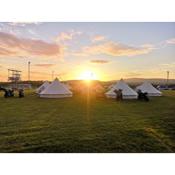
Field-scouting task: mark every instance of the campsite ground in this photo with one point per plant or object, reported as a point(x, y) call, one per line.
point(97, 125)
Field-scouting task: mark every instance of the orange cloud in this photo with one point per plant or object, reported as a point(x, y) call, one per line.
point(168, 65)
point(49, 74)
point(134, 74)
point(12, 46)
point(39, 73)
point(98, 38)
point(78, 53)
point(44, 65)
point(117, 49)
point(99, 61)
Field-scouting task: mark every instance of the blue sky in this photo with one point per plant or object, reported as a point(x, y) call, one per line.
point(109, 50)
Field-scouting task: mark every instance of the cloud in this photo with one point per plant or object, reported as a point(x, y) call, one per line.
point(22, 24)
point(99, 61)
point(168, 65)
point(13, 46)
point(78, 53)
point(133, 74)
point(44, 65)
point(64, 36)
point(67, 36)
point(117, 49)
point(98, 38)
point(171, 41)
point(41, 74)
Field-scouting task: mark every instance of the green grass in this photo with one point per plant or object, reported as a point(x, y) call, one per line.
point(32, 124)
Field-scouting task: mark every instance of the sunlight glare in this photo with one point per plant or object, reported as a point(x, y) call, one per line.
point(88, 75)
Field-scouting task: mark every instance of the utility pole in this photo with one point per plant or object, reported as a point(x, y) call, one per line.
point(167, 82)
point(29, 71)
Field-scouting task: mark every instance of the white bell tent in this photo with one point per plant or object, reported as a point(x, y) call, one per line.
point(42, 87)
point(149, 88)
point(56, 90)
point(128, 93)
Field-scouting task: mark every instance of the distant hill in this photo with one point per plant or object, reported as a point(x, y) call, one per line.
point(137, 81)
point(131, 81)
point(152, 80)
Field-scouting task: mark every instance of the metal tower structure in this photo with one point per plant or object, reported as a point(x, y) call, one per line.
point(14, 76)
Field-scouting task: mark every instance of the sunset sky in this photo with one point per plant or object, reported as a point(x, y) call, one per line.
point(109, 51)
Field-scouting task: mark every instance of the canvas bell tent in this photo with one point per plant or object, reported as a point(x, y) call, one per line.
point(109, 87)
point(56, 90)
point(128, 93)
point(42, 87)
point(149, 88)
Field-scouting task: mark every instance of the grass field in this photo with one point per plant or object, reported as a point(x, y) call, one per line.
point(97, 125)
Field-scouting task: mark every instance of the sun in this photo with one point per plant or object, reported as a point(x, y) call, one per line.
point(88, 75)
